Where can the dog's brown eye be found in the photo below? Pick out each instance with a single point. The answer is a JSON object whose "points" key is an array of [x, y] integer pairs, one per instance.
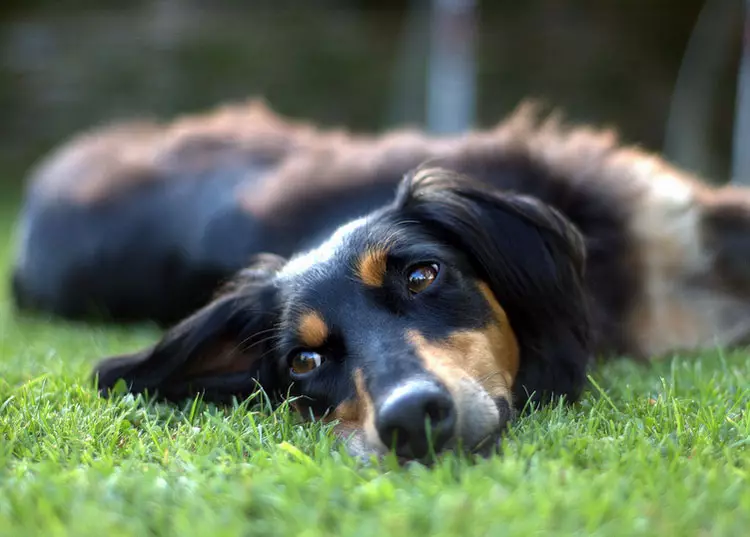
{"points": [[305, 361], [421, 277]]}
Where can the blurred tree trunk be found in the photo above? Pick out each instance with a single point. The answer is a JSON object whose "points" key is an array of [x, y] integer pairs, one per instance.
{"points": [[688, 132], [451, 92], [741, 147]]}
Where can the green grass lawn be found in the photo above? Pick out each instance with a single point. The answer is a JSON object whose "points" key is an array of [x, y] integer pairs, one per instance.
{"points": [[649, 451]]}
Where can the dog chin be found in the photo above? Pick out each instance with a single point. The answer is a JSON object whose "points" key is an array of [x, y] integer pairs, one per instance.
{"points": [[361, 449]]}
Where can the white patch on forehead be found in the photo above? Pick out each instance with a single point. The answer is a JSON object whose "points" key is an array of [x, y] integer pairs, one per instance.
{"points": [[322, 254]]}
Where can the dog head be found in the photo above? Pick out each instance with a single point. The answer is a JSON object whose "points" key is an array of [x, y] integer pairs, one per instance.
{"points": [[421, 327]]}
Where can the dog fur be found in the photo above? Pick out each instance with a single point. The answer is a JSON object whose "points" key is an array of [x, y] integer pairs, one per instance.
{"points": [[148, 220]]}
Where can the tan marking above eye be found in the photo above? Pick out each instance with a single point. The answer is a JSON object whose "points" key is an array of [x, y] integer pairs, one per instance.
{"points": [[313, 330], [421, 276], [305, 361], [371, 267]]}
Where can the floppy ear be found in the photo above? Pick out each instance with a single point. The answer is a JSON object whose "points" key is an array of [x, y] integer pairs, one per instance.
{"points": [[532, 258], [220, 351]]}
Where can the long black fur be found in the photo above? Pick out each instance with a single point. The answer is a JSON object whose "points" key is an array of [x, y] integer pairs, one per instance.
{"points": [[530, 255]]}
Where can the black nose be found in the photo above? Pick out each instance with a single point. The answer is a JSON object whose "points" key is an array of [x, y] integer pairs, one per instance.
{"points": [[416, 416]]}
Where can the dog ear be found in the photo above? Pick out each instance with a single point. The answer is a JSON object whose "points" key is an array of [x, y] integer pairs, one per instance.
{"points": [[219, 351], [532, 258]]}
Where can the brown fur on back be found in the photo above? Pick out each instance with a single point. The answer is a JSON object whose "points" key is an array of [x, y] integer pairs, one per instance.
{"points": [[642, 218], [106, 161]]}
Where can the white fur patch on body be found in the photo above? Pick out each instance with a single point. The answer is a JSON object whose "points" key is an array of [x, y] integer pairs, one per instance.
{"points": [[675, 313]]}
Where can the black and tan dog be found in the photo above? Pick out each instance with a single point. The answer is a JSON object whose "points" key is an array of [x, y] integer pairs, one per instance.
{"points": [[418, 305]]}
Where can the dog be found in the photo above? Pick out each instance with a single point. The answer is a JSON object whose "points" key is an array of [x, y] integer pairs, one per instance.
{"points": [[421, 325], [417, 290]]}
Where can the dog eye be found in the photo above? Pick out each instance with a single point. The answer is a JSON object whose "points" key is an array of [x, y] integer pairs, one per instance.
{"points": [[421, 277], [305, 361]]}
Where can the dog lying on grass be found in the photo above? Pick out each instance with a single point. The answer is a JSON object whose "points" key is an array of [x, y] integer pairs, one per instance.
{"points": [[418, 290]]}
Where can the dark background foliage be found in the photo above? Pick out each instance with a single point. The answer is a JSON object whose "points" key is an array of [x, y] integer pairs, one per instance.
{"points": [[66, 65]]}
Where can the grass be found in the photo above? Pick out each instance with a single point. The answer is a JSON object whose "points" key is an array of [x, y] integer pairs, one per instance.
{"points": [[663, 450]]}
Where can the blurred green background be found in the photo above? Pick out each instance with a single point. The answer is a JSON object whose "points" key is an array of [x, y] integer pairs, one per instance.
{"points": [[66, 65]]}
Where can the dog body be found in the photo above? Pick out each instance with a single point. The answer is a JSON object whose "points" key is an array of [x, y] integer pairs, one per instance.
{"points": [[531, 247], [143, 221]]}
